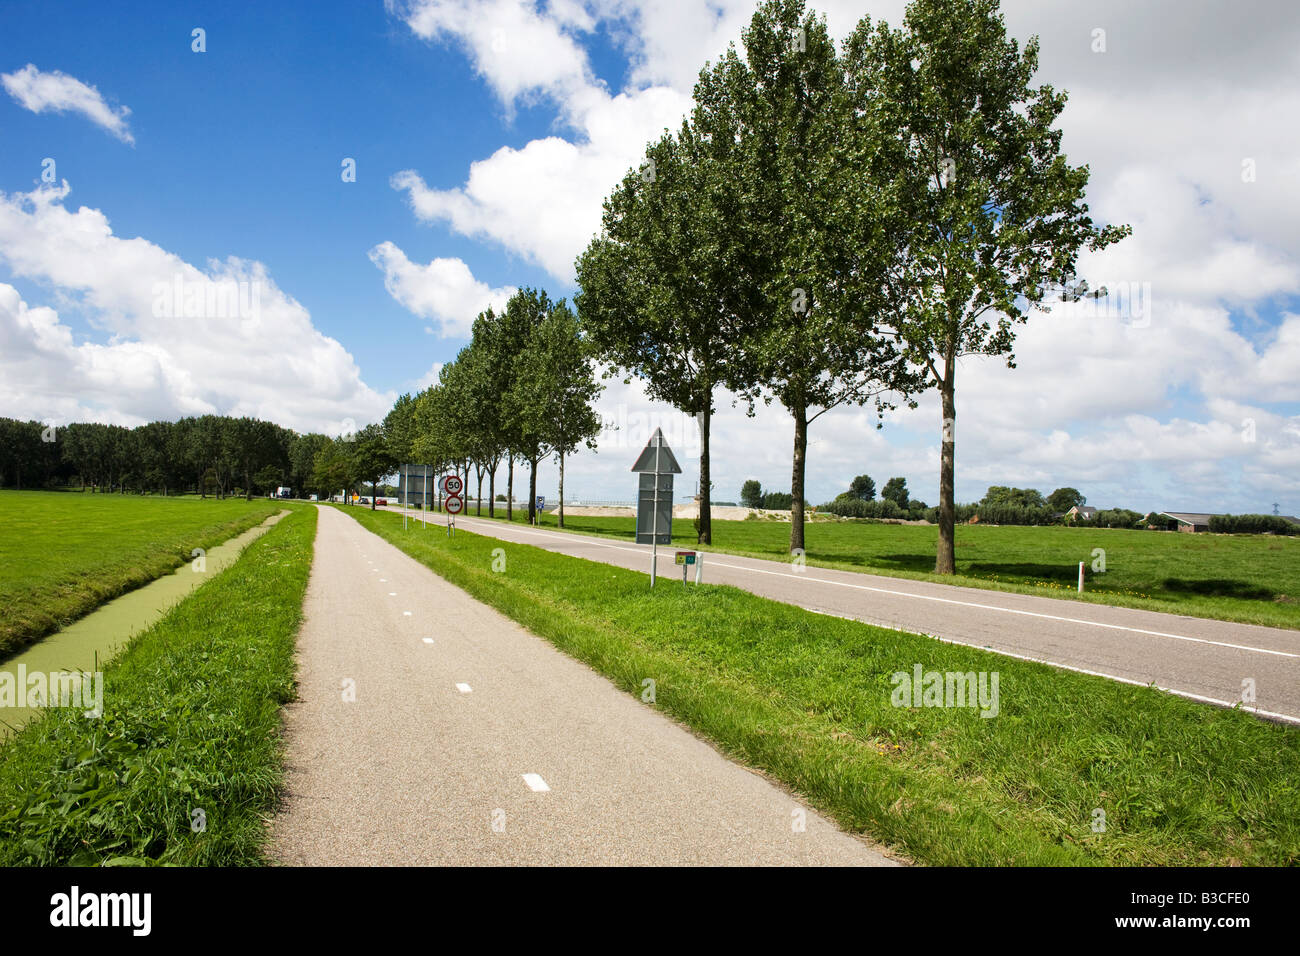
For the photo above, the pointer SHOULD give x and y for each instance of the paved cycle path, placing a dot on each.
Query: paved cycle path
(433, 730)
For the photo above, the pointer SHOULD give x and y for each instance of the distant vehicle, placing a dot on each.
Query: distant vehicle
(283, 492)
(314, 498)
(381, 502)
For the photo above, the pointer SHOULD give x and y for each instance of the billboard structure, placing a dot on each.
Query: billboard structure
(416, 485)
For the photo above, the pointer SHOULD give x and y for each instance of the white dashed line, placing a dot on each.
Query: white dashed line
(406, 614)
(392, 594)
(535, 782)
(464, 688)
(428, 640)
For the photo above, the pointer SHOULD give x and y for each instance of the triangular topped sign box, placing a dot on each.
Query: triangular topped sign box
(657, 458)
(656, 466)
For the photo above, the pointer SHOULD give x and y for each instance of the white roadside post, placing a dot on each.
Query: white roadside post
(1080, 577)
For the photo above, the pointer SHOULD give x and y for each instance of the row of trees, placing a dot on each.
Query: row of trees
(521, 392)
(210, 454)
(835, 227)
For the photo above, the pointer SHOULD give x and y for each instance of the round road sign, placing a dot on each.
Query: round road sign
(453, 484)
(454, 504)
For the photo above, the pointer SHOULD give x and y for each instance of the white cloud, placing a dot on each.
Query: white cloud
(256, 353)
(444, 290)
(519, 51)
(61, 93)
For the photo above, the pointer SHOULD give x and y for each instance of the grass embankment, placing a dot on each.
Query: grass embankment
(191, 722)
(1252, 579)
(64, 554)
(806, 698)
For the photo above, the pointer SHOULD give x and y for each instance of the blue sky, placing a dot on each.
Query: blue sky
(485, 135)
(238, 150)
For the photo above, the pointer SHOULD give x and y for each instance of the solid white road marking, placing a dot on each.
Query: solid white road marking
(929, 597)
(464, 688)
(427, 640)
(406, 614)
(392, 594)
(535, 783)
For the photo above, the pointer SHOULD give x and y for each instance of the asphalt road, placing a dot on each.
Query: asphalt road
(1202, 659)
(468, 740)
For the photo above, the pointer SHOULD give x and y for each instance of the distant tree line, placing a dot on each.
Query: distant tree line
(206, 455)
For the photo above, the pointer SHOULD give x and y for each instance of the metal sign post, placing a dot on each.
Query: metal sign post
(454, 503)
(656, 466)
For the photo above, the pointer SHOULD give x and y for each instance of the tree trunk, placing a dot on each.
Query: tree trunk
(510, 486)
(532, 491)
(561, 489)
(705, 533)
(374, 492)
(478, 473)
(945, 561)
(492, 489)
(796, 476)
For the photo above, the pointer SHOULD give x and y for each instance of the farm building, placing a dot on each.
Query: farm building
(1081, 512)
(1190, 520)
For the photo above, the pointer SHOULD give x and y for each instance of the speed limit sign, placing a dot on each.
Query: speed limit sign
(453, 485)
(454, 504)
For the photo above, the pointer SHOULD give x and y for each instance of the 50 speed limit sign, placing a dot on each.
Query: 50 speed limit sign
(453, 485)
(454, 504)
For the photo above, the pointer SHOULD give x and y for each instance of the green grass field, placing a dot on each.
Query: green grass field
(806, 699)
(64, 554)
(1254, 579)
(191, 722)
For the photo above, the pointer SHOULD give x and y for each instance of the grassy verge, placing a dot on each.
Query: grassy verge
(807, 699)
(62, 555)
(191, 722)
(1251, 579)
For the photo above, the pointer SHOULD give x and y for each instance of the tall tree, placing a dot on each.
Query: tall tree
(666, 286)
(557, 388)
(525, 312)
(862, 488)
(988, 215)
(1063, 499)
(494, 377)
(895, 490)
(814, 222)
(371, 457)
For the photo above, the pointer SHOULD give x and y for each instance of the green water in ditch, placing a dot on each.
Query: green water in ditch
(87, 644)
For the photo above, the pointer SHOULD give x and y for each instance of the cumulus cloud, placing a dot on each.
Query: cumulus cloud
(180, 340)
(541, 201)
(61, 93)
(444, 290)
